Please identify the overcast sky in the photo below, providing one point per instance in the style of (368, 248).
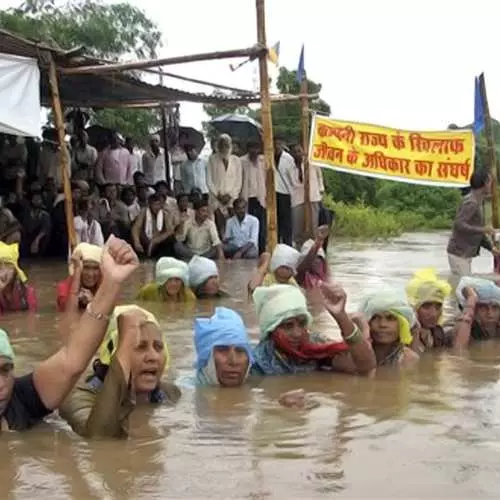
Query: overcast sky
(402, 63)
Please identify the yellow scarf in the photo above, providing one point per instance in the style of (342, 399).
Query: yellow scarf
(10, 255)
(110, 342)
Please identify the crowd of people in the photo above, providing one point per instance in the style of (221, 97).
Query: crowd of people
(392, 328)
(214, 208)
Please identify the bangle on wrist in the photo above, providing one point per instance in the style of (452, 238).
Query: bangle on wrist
(355, 337)
(95, 315)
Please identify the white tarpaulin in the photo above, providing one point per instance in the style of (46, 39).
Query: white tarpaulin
(19, 95)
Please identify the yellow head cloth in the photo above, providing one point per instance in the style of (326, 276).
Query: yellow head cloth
(405, 335)
(110, 342)
(425, 286)
(88, 252)
(10, 255)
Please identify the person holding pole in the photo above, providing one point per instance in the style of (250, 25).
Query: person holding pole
(469, 233)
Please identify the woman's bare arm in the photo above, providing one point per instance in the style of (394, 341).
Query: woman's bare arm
(55, 377)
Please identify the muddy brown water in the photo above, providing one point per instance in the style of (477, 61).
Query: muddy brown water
(431, 433)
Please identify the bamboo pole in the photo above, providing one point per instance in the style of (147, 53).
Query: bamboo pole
(267, 130)
(65, 167)
(165, 137)
(304, 128)
(208, 56)
(208, 84)
(491, 152)
(154, 102)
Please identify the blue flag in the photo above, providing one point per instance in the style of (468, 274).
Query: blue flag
(478, 108)
(301, 70)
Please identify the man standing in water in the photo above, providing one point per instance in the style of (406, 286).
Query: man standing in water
(469, 233)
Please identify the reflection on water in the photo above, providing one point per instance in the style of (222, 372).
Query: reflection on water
(430, 433)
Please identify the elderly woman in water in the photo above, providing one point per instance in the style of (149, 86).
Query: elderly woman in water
(479, 301)
(223, 353)
(79, 288)
(26, 400)
(426, 294)
(287, 346)
(132, 361)
(15, 293)
(171, 283)
(390, 320)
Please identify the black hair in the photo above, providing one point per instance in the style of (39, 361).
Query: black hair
(160, 184)
(182, 195)
(126, 190)
(83, 205)
(238, 201)
(197, 204)
(153, 198)
(479, 178)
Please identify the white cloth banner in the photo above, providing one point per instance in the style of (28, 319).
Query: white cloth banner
(19, 95)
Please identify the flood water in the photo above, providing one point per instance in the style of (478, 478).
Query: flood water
(430, 433)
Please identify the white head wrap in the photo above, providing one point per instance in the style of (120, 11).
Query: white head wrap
(277, 303)
(200, 269)
(168, 267)
(487, 291)
(286, 256)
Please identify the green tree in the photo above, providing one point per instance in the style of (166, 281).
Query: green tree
(108, 31)
(286, 115)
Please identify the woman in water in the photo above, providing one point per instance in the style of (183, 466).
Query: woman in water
(204, 278)
(313, 267)
(132, 361)
(426, 294)
(26, 400)
(390, 319)
(79, 288)
(171, 283)
(479, 301)
(287, 346)
(278, 268)
(15, 293)
(224, 355)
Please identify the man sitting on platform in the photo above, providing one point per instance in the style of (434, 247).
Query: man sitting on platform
(241, 239)
(198, 235)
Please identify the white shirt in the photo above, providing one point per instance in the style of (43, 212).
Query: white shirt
(240, 233)
(316, 186)
(283, 174)
(88, 233)
(222, 181)
(153, 167)
(254, 179)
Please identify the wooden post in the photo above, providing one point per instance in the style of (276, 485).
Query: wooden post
(491, 152)
(304, 128)
(267, 130)
(165, 139)
(59, 122)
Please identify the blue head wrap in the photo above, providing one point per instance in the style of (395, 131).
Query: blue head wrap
(224, 328)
